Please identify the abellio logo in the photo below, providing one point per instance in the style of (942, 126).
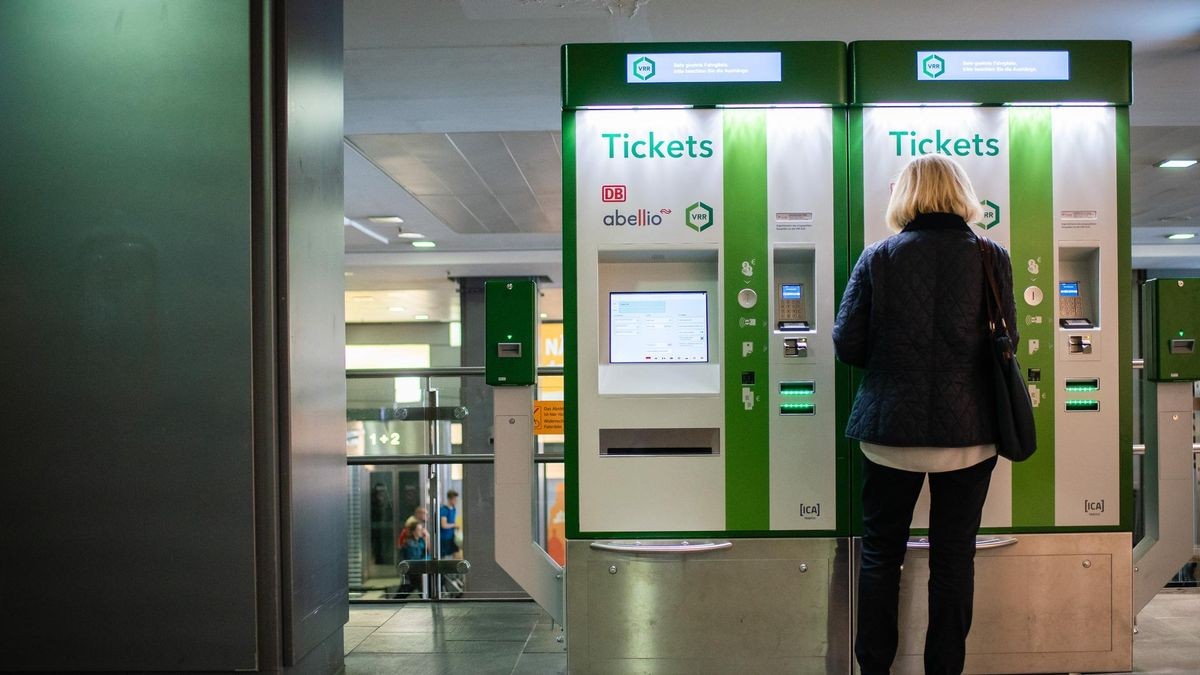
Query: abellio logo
(699, 216)
(643, 68)
(639, 218)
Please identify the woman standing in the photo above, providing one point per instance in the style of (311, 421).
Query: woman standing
(913, 316)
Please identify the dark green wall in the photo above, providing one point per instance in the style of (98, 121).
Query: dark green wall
(127, 507)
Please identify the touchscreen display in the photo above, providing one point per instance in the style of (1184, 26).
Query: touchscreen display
(658, 327)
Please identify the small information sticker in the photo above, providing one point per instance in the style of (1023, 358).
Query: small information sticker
(703, 67)
(993, 66)
(548, 417)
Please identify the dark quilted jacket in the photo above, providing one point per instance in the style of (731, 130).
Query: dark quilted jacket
(913, 316)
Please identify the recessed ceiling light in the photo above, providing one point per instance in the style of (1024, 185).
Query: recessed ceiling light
(391, 220)
(543, 315)
(411, 235)
(421, 317)
(1181, 235)
(1175, 163)
(424, 244)
(349, 274)
(396, 308)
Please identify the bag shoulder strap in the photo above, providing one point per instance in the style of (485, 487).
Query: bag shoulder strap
(994, 306)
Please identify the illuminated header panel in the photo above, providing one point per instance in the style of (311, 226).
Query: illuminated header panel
(991, 72)
(734, 74)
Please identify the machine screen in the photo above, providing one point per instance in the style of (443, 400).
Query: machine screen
(791, 292)
(658, 327)
(1068, 289)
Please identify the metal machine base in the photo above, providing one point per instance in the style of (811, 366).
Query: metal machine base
(1051, 603)
(760, 606)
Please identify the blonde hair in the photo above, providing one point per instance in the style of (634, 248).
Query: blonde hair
(932, 184)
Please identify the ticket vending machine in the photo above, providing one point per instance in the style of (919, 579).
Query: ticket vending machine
(1042, 130)
(704, 252)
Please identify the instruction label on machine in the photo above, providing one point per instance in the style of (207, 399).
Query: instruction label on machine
(548, 417)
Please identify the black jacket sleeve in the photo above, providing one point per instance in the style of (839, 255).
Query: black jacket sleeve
(851, 330)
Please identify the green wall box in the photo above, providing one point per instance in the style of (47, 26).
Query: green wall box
(511, 330)
(1170, 329)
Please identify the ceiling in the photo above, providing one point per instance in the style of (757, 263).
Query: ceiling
(458, 101)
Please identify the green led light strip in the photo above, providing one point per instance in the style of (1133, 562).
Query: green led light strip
(1082, 404)
(797, 408)
(805, 388)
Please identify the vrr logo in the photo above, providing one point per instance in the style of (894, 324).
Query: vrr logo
(612, 193)
(699, 216)
(933, 65)
(991, 215)
(643, 69)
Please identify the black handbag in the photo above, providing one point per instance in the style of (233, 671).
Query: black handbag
(1016, 436)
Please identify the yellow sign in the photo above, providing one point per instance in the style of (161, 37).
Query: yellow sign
(547, 417)
(550, 351)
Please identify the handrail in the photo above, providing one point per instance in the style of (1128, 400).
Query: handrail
(477, 458)
(661, 547)
(446, 371)
(1140, 448)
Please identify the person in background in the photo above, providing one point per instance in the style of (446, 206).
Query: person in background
(914, 318)
(415, 544)
(420, 515)
(449, 524)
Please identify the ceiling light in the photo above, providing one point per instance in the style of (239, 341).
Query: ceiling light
(349, 274)
(397, 308)
(1175, 163)
(1181, 235)
(543, 315)
(424, 244)
(390, 220)
(410, 235)
(421, 317)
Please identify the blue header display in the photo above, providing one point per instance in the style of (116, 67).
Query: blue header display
(1068, 289)
(791, 292)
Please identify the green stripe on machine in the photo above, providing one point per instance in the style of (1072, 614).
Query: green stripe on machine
(747, 435)
(1031, 190)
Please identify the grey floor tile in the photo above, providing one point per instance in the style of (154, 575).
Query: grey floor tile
(352, 636)
(370, 616)
(544, 638)
(541, 664)
(467, 631)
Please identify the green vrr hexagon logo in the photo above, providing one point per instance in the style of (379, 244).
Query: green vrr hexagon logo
(699, 216)
(643, 68)
(933, 65)
(991, 215)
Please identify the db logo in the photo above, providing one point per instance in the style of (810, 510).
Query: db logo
(612, 193)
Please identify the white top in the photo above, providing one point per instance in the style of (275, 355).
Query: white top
(927, 459)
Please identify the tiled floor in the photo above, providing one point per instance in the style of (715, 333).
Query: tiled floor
(461, 637)
(511, 638)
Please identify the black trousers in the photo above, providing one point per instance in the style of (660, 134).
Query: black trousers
(956, 507)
